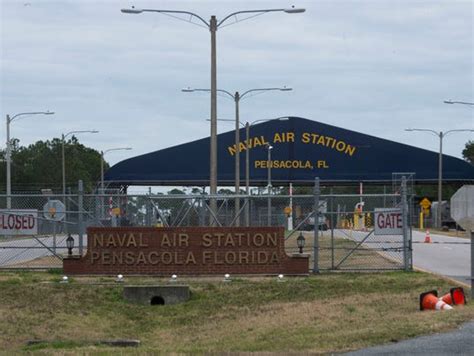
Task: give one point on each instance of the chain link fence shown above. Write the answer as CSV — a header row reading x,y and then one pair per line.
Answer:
x,y
338,229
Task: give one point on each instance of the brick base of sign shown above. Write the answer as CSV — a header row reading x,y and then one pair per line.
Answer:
x,y
186,251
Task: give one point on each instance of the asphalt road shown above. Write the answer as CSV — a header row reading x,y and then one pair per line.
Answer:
x,y
457,342
445,255
17,251
448,256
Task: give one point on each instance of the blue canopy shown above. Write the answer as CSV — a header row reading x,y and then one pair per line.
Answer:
x,y
301,150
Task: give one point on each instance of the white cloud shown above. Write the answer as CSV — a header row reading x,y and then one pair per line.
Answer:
x,y
370,66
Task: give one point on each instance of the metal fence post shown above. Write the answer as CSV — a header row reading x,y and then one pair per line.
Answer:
x,y
331,215
472,264
148,208
317,192
80,209
404,203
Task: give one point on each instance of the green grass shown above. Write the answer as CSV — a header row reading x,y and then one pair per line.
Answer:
x,y
325,313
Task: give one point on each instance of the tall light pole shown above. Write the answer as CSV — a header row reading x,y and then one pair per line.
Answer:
x,y
441,135
247,157
9,159
213,25
102,154
63,158
237,97
269,183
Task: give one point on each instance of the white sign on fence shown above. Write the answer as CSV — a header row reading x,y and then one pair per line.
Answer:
x,y
462,207
19,222
54,210
388,222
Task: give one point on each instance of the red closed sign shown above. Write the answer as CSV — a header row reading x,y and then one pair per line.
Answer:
x,y
19,222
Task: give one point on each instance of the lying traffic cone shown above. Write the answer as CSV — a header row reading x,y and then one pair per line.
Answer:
x,y
454,297
427,237
429,301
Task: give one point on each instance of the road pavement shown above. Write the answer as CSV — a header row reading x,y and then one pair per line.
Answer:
x,y
447,256
21,250
457,342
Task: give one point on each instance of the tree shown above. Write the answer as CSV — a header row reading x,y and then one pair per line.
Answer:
x,y
40,166
468,152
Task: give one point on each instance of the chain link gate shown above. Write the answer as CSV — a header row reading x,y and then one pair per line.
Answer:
x,y
344,238
340,236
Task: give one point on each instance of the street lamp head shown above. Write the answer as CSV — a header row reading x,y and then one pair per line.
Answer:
x,y
132,11
49,112
408,129
187,90
448,102
294,10
94,131
300,242
286,89
69,244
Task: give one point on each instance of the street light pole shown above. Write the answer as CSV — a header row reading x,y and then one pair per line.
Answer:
x,y
213,25
237,158
439,223
8,158
102,154
247,158
269,184
237,97
213,158
441,135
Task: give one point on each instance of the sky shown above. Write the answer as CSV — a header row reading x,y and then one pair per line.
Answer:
x,y
376,67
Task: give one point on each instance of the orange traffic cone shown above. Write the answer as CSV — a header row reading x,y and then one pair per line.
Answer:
x,y
454,297
429,301
427,237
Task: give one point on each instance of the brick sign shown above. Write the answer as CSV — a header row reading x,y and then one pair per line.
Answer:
x,y
186,251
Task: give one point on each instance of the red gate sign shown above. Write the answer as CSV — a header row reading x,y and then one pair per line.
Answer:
x,y
18,222
388,222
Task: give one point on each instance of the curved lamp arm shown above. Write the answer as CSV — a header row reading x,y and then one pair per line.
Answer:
x,y
426,130
139,11
288,11
262,120
190,90
265,89
81,131
458,130
31,113
116,149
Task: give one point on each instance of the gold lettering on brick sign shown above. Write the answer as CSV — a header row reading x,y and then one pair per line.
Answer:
x,y
207,240
243,257
175,240
175,258
239,239
230,257
190,258
118,240
153,257
94,256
